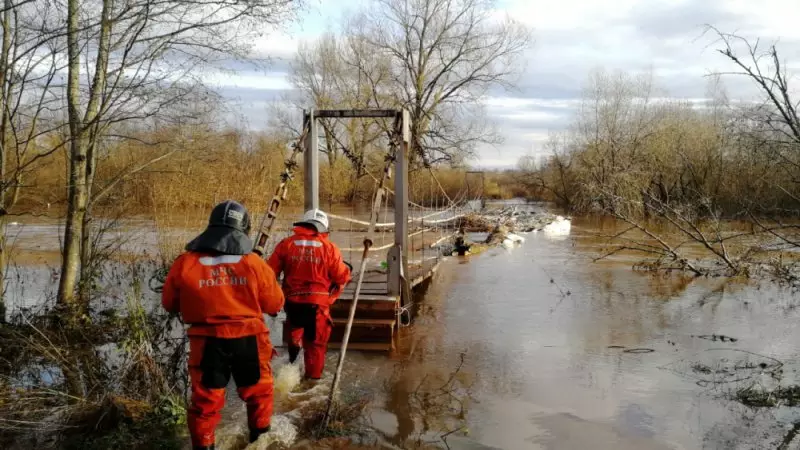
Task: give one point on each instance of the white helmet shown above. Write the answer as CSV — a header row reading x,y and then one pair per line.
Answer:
x,y
316,218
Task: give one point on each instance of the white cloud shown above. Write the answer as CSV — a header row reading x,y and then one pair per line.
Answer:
x,y
575,37
270,81
275,45
518,102
576,15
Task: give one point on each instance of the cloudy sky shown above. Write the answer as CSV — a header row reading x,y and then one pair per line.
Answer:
x,y
572,38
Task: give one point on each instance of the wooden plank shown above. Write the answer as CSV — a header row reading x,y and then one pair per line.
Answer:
x,y
370,298
364,346
365,310
426,273
380,287
364,335
365,322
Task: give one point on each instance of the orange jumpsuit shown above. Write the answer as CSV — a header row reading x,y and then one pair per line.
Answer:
x,y
223,299
313,277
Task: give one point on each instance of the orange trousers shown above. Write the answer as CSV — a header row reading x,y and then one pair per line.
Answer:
x,y
308,326
212,361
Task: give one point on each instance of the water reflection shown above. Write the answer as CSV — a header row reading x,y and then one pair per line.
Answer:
x,y
546,376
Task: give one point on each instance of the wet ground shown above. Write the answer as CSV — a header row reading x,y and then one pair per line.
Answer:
x,y
562,353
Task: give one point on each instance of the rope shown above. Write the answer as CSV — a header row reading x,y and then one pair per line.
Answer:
x,y
390,191
387,246
399,311
360,222
392,224
439,184
449,219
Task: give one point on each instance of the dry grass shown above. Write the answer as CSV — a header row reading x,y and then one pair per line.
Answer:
x,y
206,166
101,379
346,418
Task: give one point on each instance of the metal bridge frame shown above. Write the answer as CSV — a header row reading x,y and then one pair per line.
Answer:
x,y
397,258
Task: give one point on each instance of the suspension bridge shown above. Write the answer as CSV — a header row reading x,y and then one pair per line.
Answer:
x,y
405,238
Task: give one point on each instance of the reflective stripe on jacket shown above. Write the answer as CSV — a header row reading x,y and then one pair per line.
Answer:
x,y
312,266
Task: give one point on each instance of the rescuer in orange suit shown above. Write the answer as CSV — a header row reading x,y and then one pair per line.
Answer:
x,y
222,290
313,277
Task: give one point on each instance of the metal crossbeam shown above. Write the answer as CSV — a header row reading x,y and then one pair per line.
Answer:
x,y
353,113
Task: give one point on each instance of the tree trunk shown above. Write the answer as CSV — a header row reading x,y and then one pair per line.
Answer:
x,y
77,197
4,81
86,275
76,210
87,265
83,132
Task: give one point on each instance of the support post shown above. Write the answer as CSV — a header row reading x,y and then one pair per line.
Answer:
x,y
399,260
311,162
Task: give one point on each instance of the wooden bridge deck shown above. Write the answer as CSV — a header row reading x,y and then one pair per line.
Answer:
x,y
377,315
375,283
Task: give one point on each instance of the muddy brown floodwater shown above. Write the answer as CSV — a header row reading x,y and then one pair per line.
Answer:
x,y
559,353
564,353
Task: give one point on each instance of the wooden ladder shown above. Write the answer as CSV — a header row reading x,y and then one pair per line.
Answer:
x,y
374,326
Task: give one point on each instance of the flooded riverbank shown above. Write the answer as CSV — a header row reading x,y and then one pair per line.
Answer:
x,y
561,353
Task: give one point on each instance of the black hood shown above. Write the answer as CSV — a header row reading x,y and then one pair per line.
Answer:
x,y
221,239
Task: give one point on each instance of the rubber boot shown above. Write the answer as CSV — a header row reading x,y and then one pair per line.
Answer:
x,y
207,447
293,352
254,434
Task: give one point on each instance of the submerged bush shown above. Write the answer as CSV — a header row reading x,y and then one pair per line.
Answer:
x,y
121,422
109,376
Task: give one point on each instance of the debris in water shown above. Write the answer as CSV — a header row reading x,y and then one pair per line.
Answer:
x,y
720,366
702,368
638,350
517,220
758,397
717,337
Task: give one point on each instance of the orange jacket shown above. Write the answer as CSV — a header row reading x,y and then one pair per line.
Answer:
x,y
313,271
223,296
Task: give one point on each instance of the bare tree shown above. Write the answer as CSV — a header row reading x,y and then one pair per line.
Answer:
x,y
29,65
446,56
770,129
554,179
146,59
335,72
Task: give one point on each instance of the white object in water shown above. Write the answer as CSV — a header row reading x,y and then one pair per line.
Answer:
x,y
517,239
559,227
14,224
512,239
